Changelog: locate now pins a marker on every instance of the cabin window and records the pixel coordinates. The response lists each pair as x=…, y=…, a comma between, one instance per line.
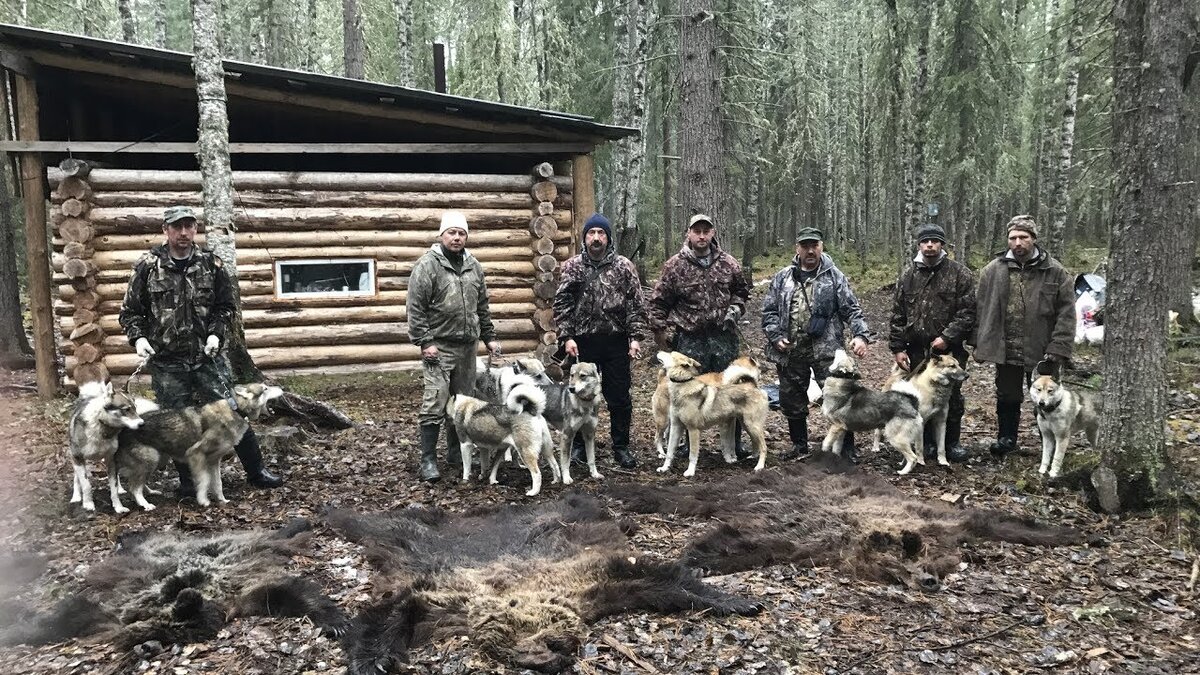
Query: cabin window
x=324, y=277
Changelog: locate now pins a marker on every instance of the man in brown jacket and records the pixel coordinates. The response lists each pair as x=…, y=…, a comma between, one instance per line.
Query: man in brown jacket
x=933, y=312
x=1026, y=316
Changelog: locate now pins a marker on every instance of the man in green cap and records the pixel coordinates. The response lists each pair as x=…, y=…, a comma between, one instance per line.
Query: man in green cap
x=807, y=307
x=177, y=314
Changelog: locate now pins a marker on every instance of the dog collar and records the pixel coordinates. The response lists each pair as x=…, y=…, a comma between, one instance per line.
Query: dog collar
x=841, y=376
x=680, y=381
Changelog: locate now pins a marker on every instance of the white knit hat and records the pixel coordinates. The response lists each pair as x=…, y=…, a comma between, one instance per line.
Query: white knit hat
x=453, y=219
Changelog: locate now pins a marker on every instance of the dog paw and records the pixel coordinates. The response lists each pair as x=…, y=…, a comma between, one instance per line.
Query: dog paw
x=222, y=502
x=75, y=500
x=760, y=466
x=597, y=475
x=1042, y=470
x=148, y=507
x=1053, y=474
x=120, y=509
x=943, y=462
x=567, y=480
x=531, y=493
x=663, y=469
x=89, y=506
x=689, y=473
x=205, y=503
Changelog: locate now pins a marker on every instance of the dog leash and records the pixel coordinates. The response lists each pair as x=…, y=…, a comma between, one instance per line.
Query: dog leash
x=136, y=371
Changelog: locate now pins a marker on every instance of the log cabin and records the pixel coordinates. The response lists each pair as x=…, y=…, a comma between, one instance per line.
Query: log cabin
x=338, y=188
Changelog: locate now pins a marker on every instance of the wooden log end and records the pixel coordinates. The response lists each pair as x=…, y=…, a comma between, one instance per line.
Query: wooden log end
x=549, y=338
x=74, y=208
x=76, y=230
x=77, y=268
x=73, y=187
x=546, y=263
x=544, y=170
x=87, y=353
x=544, y=191
x=544, y=276
x=75, y=249
x=544, y=290
x=90, y=372
x=543, y=226
x=543, y=246
x=87, y=333
x=543, y=318
x=545, y=208
x=74, y=167
x=81, y=316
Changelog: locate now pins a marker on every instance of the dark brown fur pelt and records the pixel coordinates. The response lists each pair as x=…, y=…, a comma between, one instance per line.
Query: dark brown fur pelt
x=822, y=515
x=176, y=588
x=520, y=581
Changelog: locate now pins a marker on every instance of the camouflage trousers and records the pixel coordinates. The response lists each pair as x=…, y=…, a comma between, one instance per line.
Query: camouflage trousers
x=176, y=388
x=453, y=372
x=714, y=348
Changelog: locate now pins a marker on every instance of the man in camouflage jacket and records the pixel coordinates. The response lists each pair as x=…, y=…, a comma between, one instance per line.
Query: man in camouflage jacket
x=807, y=307
x=601, y=318
x=448, y=315
x=177, y=314
x=697, y=302
x=933, y=312
x=1026, y=317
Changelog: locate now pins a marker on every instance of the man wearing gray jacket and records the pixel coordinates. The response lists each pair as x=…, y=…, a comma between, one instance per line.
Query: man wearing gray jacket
x=807, y=308
x=447, y=316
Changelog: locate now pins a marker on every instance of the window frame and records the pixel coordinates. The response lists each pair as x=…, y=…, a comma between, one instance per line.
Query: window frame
x=278, y=263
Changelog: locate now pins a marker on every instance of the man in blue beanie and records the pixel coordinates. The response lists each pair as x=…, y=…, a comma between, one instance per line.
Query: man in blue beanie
x=601, y=319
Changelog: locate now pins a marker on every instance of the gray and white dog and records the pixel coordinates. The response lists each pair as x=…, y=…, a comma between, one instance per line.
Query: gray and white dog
x=574, y=408
x=492, y=383
x=517, y=424
x=850, y=406
x=97, y=418
x=1061, y=413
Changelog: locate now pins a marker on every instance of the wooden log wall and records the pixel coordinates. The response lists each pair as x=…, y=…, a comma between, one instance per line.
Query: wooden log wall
x=104, y=220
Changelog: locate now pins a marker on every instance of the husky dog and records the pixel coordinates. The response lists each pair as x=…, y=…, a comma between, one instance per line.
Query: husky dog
x=97, y=418
x=200, y=436
x=1061, y=413
x=574, y=408
x=517, y=424
x=850, y=406
x=492, y=383
x=697, y=404
x=743, y=369
x=934, y=380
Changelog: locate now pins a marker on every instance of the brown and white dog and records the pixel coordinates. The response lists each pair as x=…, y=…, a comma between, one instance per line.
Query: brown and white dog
x=98, y=416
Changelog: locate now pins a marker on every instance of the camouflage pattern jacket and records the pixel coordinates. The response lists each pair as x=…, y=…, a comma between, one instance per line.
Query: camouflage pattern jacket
x=600, y=297
x=177, y=309
x=833, y=306
x=932, y=301
x=690, y=297
x=445, y=304
x=1025, y=311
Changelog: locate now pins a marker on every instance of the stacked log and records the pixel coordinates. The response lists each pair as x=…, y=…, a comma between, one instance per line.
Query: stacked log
x=71, y=211
x=544, y=227
x=104, y=225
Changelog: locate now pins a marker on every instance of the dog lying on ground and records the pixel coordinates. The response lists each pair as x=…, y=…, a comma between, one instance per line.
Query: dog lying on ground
x=696, y=404
x=1061, y=413
x=98, y=416
x=492, y=383
x=850, y=406
x=491, y=427
x=743, y=369
x=934, y=380
x=574, y=408
x=199, y=436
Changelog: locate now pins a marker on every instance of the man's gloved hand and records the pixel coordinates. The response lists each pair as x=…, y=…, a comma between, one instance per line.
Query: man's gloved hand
x=211, y=346
x=731, y=317
x=143, y=348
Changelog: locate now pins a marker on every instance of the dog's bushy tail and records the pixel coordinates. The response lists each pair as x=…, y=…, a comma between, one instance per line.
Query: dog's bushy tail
x=94, y=390
x=739, y=374
x=526, y=398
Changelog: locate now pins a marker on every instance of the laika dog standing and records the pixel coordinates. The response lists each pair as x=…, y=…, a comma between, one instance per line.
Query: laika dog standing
x=1061, y=413
x=697, y=404
x=492, y=427
x=935, y=380
x=574, y=408
x=97, y=418
x=198, y=436
x=850, y=406
x=743, y=369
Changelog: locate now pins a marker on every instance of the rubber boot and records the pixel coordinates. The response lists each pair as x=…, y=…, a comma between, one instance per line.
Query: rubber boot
x=187, y=489
x=429, y=439
x=578, y=452
x=955, y=452
x=739, y=448
x=1008, y=420
x=619, y=430
x=849, y=450
x=930, y=443
x=798, y=431
x=251, y=457
x=453, y=447
x=684, y=449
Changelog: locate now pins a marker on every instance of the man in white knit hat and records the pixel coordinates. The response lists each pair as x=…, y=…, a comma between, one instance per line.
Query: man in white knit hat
x=447, y=317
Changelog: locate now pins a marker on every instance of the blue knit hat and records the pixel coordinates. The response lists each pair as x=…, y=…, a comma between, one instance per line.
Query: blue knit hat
x=598, y=221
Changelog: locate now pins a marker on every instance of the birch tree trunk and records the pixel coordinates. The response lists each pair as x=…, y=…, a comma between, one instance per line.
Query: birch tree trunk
x=1057, y=236
x=915, y=190
x=629, y=109
x=405, y=75
x=159, y=7
x=216, y=175
x=274, y=49
x=701, y=134
x=1150, y=48
x=354, y=45
x=670, y=223
x=128, y=27
x=310, y=53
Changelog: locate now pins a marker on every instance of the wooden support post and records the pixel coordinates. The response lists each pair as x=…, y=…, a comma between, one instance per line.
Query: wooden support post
x=583, y=186
x=37, y=254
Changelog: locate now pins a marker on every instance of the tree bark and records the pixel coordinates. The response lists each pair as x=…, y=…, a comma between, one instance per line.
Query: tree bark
x=1057, y=235
x=915, y=189
x=1150, y=49
x=128, y=27
x=629, y=109
x=405, y=74
x=1184, y=257
x=703, y=185
x=670, y=225
x=354, y=43
x=159, y=8
x=310, y=52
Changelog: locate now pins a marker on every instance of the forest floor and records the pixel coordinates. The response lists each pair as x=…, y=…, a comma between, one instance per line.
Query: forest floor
x=1120, y=603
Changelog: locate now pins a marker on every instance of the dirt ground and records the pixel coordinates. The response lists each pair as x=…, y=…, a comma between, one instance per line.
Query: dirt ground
x=1120, y=603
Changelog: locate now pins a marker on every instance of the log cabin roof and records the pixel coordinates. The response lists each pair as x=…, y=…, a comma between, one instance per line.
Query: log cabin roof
x=102, y=90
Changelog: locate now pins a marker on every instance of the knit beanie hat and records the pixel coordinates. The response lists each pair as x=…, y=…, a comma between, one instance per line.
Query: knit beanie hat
x=453, y=219
x=1023, y=223
x=931, y=231
x=598, y=221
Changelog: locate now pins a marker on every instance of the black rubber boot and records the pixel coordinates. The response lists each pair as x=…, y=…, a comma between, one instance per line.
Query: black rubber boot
x=930, y=444
x=849, y=450
x=453, y=447
x=739, y=448
x=251, y=457
x=187, y=489
x=955, y=452
x=429, y=439
x=683, y=450
x=1008, y=420
x=798, y=431
x=578, y=452
x=619, y=431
